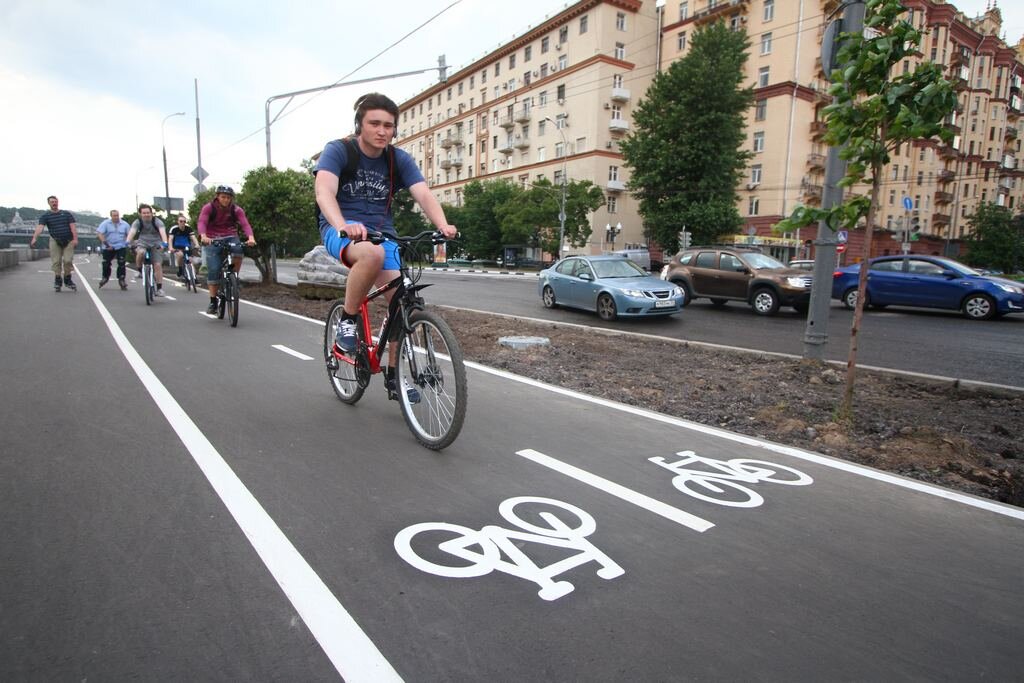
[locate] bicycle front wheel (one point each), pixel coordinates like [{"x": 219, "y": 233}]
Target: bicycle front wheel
[
  {"x": 190, "y": 278},
  {"x": 343, "y": 375},
  {"x": 431, "y": 381},
  {"x": 232, "y": 297},
  {"x": 147, "y": 283}
]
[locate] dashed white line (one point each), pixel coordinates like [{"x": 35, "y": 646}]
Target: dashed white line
[
  {"x": 291, "y": 352},
  {"x": 619, "y": 491}
]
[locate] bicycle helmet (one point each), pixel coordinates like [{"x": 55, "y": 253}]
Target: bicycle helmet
[{"x": 224, "y": 189}]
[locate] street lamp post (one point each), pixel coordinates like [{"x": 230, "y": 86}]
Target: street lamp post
[
  {"x": 565, "y": 178},
  {"x": 163, "y": 144}
]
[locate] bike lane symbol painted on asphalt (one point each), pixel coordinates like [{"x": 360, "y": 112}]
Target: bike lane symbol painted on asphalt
[
  {"x": 727, "y": 482},
  {"x": 485, "y": 550}
]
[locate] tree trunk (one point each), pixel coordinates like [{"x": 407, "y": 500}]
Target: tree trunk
[{"x": 846, "y": 410}]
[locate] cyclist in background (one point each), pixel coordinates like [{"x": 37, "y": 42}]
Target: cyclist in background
[
  {"x": 352, "y": 202},
  {"x": 219, "y": 220},
  {"x": 148, "y": 232},
  {"x": 182, "y": 236}
]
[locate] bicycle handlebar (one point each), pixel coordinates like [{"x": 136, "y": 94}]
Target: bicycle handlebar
[{"x": 436, "y": 237}]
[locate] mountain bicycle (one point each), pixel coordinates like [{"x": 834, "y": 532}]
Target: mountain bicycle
[
  {"x": 227, "y": 294},
  {"x": 188, "y": 271},
  {"x": 430, "y": 373}
]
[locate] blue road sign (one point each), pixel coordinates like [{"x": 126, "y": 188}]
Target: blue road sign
[{"x": 908, "y": 203}]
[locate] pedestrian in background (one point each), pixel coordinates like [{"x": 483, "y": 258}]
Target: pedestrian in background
[
  {"x": 150, "y": 233},
  {"x": 113, "y": 236},
  {"x": 63, "y": 240}
]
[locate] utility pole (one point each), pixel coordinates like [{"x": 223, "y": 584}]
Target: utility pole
[{"x": 816, "y": 331}]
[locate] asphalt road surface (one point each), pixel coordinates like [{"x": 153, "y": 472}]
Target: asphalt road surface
[{"x": 187, "y": 501}]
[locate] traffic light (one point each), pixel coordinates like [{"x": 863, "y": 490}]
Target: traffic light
[
  {"x": 915, "y": 229},
  {"x": 684, "y": 239}
]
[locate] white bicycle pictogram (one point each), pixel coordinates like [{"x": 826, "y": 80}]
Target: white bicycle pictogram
[
  {"x": 486, "y": 550},
  {"x": 719, "y": 485}
]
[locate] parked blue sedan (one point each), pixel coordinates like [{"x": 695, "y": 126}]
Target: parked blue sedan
[
  {"x": 930, "y": 282},
  {"x": 613, "y": 286}
]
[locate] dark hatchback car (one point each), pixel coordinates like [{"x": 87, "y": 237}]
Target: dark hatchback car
[
  {"x": 930, "y": 282},
  {"x": 725, "y": 274}
]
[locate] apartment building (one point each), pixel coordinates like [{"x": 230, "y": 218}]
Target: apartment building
[
  {"x": 553, "y": 103},
  {"x": 556, "y": 101},
  {"x": 785, "y": 126}
]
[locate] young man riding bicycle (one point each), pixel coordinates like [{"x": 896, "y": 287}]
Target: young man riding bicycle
[
  {"x": 219, "y": 220},
  {"x": 182, "y": 236},
  {"x": 351, "y": 203},
  {"x": 148, "y": 232}
]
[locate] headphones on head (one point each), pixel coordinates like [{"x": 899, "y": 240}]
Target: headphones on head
[{"x": 359, "y": 121}]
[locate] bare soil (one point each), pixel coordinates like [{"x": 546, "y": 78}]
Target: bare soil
[{"x": 964, "y": 439}]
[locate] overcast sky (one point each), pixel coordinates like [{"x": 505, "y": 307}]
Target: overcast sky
[{"x": 84, "y": 86}]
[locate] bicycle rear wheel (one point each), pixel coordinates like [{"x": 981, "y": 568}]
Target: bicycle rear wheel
[
  {"x": 190, "y": 278},
  {"x": 344, "y": 377},
  {"x": 232, "y": 297},
  {"x": 430, "y": 362}
]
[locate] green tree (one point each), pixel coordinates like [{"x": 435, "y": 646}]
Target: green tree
[
  {"x": 480, "y": 226},
  {"x": 874, "y": 112},
  {"x": 531, "y": 216},
  {"x": 686, "y": 150},
  {"x": 996, "y": 240},
  {"x": 408, "y": 219},
  {"x": 282, "y": 210}
]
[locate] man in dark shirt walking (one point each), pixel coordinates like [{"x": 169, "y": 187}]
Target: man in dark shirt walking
[{"x": 63, "y": 240}]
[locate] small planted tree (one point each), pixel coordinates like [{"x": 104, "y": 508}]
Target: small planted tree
[
  {"x": 874, "y": 112},
  {"x": 997, "y": 238}
]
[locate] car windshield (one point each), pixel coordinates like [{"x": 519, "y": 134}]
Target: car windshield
[
  {"x": 617, "y": 268},
  {"x": 956, "y": 266},
  {"x": 758, "y": 261}
]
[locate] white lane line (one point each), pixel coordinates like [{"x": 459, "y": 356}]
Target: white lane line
[
  {"x": 169, "y": 297},
  {"x": 291, "y": 352},
  {"x": 350, "y": 650},
  {"x": 619, "y": 491}
]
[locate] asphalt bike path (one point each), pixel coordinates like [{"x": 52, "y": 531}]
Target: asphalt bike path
[{"x": 560, "y": 536}]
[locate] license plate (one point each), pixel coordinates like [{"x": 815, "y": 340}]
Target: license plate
[{"x": 667, "y": 303}]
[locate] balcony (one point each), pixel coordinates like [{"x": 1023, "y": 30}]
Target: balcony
[
  {"x": 507, "y": 122},
  {"x": 522, "y": 142},
  {"x": 451, "y": 141},
  {"x": 618, "y": 126},
  {"x": 818, "y": 129},
  {"x": 948, "y": 152},
  {"x": 506, "y": 147},
  {"x": 711, "y": 14},
  {"x": 943, "y": 197},
  {"x": 620, "y": 94},
  {"x": 815, "y": 160},
  {"x": 522, "y": 115},
  {"x": 1010, "y": 133},
  {"x": 940, "y": 219},
  {"x": 456, "y": 162},
  {"x": 1004, "y": 186},
  {"x": 445, "y": 164},
  {"x": 1014, "y": 108},
  {"x": 1010, "y": 162},
  {"x": 615, "y": 186},
  {"x": 959, "y": 59},
  {"x": 810, "y": 191},
  {"x": 952, "y": 125},
  {"x": 946, "y": 176}
]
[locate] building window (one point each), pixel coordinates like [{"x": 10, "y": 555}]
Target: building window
[
  {"x": 612, "y": 204},
  {"x": 681, "y": 41},
  {"x": 620, "y": 21},
  {"x": 541, "y": 127},
  {"x": 527, "y": 77},
  {"x": 613, "y": 173},
  {"x": 759, "y": 141},
  {"x": 542, "y": 153},
  {"x": 527, "y": 53},
  {"x": 755, "y": 174},
  {"x": 762, "y": 77},
  {"x": 563, "y": 61},
  {"x": 760, "y": 110},
  {"x": 561, "y": 92},
  {"x": 512, "y": 61},
  {"x": 769, "y": 10},
  {"x": 483, "y": 76},
  {"x": 581, "y": 145},
  {"x": 559, "y": 150},
  {"x": 766, "y": 43},
  {"x": 620, "y": 50},
  {"x": 557, "y": 177},
  {"x": 616, "y": 80},
  {"x": 684, "y": 10},
  {"x": 753, "y": 206},
  {"x": 545, "y": 44},
  {"x": 542, "y": 98},
  {"x": 497, "y": 69},
  {"x": 583, "y": 24},
  {"x": 563, "y": 34}
]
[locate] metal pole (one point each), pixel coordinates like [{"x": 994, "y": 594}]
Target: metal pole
[
  {"x": 441, "y": 68},
  {"x": 199, "y": 148},
  {"x": 565, "y": 180},
  {"x": 816, "y": 330},
  {"x": 163, "y": 144}
]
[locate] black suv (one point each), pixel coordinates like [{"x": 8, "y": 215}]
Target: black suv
[{"x": 725, "y": 274}]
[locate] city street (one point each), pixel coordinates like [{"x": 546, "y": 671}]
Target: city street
[{"x": 188, "y": 501}]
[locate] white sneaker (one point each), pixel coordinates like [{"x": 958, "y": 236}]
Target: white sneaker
[{"x": 159, "y": 292}]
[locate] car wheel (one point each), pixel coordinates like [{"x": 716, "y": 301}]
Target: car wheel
[
  {"x": 606, "y": 307},
  {"x": 718, "y": 303},
  {"x": 765, "y": 301},
  {"x": 850, "y": 298},
  {"x": 548, "y": 297},
  {"x": 979, "y": 307},
  {"x": 687, "y": 294}
]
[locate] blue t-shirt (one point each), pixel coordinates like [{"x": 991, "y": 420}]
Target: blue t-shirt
[{"x": 365, "y": 198}]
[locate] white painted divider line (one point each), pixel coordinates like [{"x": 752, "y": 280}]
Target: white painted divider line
[
  {"x": 350, "y": 650},
  {"x": 619, "y": 491},
  {"x": 291, "y": 352}
]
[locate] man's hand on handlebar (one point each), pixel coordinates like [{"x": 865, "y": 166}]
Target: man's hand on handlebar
[
  {"x": 205, "y": 239},
  {"x": 251, "y": 242},
  {"x": 354, "y": 231},
  {"x": 449, "y": 231}
]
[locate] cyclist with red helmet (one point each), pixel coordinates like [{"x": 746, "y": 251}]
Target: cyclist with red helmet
[{"x": 218, "y": 230}]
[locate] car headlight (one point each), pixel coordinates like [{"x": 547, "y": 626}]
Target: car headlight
[
  {"x": 1007, "y": 287},
  {"x": 677, "y": 291},
  {"x": 633, "y": 292},
  {"x": 798, "y": 282}
]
